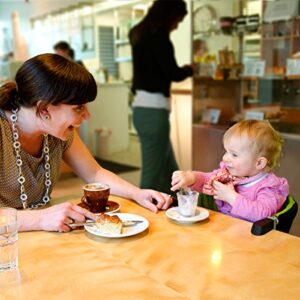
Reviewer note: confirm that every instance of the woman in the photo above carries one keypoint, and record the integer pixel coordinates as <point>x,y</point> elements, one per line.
<point>38,114</point>
<point>154,68</point>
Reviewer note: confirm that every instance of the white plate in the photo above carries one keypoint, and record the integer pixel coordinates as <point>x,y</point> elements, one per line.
<point>126,231</point>
<point>173,213</point>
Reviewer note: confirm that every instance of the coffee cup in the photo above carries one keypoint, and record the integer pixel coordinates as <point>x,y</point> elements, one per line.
<point>95,196</point>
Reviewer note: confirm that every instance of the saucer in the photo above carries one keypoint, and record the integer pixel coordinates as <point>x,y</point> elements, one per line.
<point>173,213</point>
<point>111,207</point>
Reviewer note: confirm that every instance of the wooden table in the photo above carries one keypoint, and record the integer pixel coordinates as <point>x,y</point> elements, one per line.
<point>214,259</point>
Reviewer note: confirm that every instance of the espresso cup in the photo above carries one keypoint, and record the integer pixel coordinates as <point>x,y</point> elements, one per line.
<point>96,196</point>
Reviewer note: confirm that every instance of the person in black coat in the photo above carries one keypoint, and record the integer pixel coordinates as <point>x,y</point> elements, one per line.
<point>154,69</point>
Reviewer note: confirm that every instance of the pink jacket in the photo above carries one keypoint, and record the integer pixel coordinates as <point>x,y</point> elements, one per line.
<point>259,196</point>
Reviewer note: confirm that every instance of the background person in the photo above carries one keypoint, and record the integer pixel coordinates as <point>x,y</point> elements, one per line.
<point>64,49</point>
<point>252,150</point>
<point>154,68</point>
<point>38,114</point>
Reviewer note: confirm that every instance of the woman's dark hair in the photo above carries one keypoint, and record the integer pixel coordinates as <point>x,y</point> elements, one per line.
<point>51,79</point>
<point>161,15</point>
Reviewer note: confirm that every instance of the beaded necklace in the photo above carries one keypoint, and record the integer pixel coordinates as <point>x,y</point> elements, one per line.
<point>19,163</point>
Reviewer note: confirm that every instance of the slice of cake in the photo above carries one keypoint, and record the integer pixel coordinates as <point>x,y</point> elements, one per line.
<point>222,176</point>
<point>109,224</point>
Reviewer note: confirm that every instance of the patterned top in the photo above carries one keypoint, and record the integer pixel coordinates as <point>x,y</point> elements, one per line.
<point>32,168</point>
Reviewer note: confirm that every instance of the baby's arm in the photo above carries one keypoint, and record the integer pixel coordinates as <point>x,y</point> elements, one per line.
<point>194,180</point>
<point>266,204</point>
<point>182,179</point>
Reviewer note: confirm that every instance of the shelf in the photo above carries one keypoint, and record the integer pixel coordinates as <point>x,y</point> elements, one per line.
<point>250,77</point>
<point>271,77</point>
<point>293,77</point>
<point>275,38</point>
<point>254,37</point>
<point>121,42</point>
<point>123,59</point>
<point>251,53</point>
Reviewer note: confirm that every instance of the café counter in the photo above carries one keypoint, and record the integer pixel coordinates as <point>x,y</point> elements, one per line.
<point>216,258</point>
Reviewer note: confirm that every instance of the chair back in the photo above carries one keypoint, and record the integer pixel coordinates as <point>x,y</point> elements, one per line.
<point>281,221</point>
<point>286,215</point>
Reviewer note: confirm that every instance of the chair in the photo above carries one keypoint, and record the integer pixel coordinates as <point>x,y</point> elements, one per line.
<point>281,221</point>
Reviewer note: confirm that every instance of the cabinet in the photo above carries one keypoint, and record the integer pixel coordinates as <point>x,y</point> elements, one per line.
<point>274,93</point>
<point>280,40</point>
<point>252,46</point>
<point>264,91</point>
<point>215,94</point>
<point>125,18</point>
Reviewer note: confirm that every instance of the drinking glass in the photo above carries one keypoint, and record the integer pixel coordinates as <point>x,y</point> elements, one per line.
<point>8,239</point>
<point>187,202</point>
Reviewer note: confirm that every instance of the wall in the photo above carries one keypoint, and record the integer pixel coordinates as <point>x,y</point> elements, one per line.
<point>181,120</point>
<point>182,39</point>
<point>109,112</point>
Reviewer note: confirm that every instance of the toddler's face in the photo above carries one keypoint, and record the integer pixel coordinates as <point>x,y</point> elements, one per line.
<point>238,157</point>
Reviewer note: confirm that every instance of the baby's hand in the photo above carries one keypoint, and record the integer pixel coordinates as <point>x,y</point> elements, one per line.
<point>181,179</point>
<point>225,192</point>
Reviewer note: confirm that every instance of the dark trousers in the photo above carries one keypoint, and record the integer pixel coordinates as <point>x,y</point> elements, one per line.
<point>158,161</point>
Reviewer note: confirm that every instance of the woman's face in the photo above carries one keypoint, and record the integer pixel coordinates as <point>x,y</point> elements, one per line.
<point>64,118</point>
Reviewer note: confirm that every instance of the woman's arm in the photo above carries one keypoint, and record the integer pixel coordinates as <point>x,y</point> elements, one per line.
<point>165,57</point>
<point>78,157</point>
<point>55,218</point>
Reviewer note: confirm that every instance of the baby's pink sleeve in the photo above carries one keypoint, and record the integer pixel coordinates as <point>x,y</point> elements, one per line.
<point>201,179</point>
<point>267,203</point>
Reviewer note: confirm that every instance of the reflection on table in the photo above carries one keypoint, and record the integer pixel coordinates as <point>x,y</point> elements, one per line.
<point>217,258</point>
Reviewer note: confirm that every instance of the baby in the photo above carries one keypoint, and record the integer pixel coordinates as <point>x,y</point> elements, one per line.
<point>245,186</point>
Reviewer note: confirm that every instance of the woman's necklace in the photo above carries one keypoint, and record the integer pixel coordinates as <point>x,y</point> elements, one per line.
<point>19,163</point>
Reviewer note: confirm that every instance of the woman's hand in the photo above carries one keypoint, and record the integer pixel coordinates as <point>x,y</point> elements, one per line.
<point>181,179</point>
<point>57,217</point>
<point>225,192</point>
<point>153,200</point>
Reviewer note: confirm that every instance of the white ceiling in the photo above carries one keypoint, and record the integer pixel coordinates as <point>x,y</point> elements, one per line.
<point>34,8</point>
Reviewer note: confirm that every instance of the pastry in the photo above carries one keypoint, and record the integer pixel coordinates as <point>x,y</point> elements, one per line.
<point>222,176</point>
<point>109,224</point>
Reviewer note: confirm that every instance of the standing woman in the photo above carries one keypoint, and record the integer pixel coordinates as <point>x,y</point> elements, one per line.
<point>38,114</point>
<point>154,68</point>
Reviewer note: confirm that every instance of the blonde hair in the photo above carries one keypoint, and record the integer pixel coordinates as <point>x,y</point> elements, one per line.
<point>264,139</point>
